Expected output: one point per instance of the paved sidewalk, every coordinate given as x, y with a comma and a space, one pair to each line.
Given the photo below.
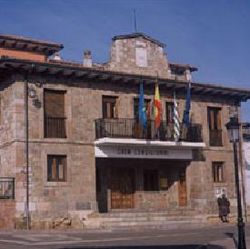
220, 236
229, 243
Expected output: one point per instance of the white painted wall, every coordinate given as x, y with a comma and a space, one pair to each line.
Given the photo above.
246, 154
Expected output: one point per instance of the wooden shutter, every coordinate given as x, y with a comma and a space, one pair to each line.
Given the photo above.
211, 118
53, 169
54, 103
182, 188
218, 119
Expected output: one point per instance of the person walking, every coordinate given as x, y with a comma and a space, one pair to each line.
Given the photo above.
224, 208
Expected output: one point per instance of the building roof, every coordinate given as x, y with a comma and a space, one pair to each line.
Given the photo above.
138, 34
177, 66
28, 44
57, 69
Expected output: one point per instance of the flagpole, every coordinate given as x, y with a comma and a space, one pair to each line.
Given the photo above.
157, 77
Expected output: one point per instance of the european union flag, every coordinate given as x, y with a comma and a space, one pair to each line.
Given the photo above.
142, 109
186, 120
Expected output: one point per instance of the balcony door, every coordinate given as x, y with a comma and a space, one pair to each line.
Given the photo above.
109, 107
214, 124
54, 114
122, 188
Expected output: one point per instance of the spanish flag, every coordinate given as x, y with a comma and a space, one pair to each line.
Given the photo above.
157, 107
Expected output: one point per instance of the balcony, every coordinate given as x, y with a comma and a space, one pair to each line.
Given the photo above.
54, 127
130, 128
7, 188
246, 131
215, 137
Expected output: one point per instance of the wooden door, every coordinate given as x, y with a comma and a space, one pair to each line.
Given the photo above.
122, 188
182, 189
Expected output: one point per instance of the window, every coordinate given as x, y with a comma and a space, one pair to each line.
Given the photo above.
54, 114
147, 104
7, 188
141, 54
214, 124
57, 168
218, 171
109, 108
151, 180
169, 112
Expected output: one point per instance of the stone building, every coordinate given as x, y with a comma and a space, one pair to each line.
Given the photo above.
72, 128
246, 162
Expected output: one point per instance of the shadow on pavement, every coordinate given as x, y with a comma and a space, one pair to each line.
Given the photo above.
149, 247
232, 236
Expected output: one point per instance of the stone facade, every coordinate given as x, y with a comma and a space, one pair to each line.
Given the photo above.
70, 203
138, 55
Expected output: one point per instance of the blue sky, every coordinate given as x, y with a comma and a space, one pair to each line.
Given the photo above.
213, 35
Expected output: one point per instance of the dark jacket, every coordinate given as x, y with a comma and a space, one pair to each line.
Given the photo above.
224, 206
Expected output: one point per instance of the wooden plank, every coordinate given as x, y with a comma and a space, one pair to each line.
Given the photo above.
122, 188
182, 187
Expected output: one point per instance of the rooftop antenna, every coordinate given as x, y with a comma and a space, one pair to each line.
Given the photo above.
135, 24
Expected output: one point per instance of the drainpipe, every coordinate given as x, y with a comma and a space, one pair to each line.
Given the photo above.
26, 120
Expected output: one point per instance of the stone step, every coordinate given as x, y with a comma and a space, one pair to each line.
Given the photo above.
147, 218
146, 214
137, 220
152, 225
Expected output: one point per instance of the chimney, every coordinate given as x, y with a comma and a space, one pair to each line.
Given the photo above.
87, 58
56, 56
188, 75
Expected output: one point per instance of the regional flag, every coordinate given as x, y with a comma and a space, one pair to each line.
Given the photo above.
157, 107
186, 119
176, 120
142, 109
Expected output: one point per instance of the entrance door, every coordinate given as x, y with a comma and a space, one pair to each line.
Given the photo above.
122, 188
182, 189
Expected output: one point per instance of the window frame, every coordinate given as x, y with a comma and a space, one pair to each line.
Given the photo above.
51, 131
214, 120
112, 100
214, 123
218, 172
50, 158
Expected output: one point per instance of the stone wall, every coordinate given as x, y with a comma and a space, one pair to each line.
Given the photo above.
139, 56
7, 214
69, 202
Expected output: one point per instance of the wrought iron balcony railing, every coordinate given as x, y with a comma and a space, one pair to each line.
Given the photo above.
215, 137
130, 128
54, 127
7, 188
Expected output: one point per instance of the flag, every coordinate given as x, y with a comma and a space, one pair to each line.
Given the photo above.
176, 120
157, 107
186, 120
142, 110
